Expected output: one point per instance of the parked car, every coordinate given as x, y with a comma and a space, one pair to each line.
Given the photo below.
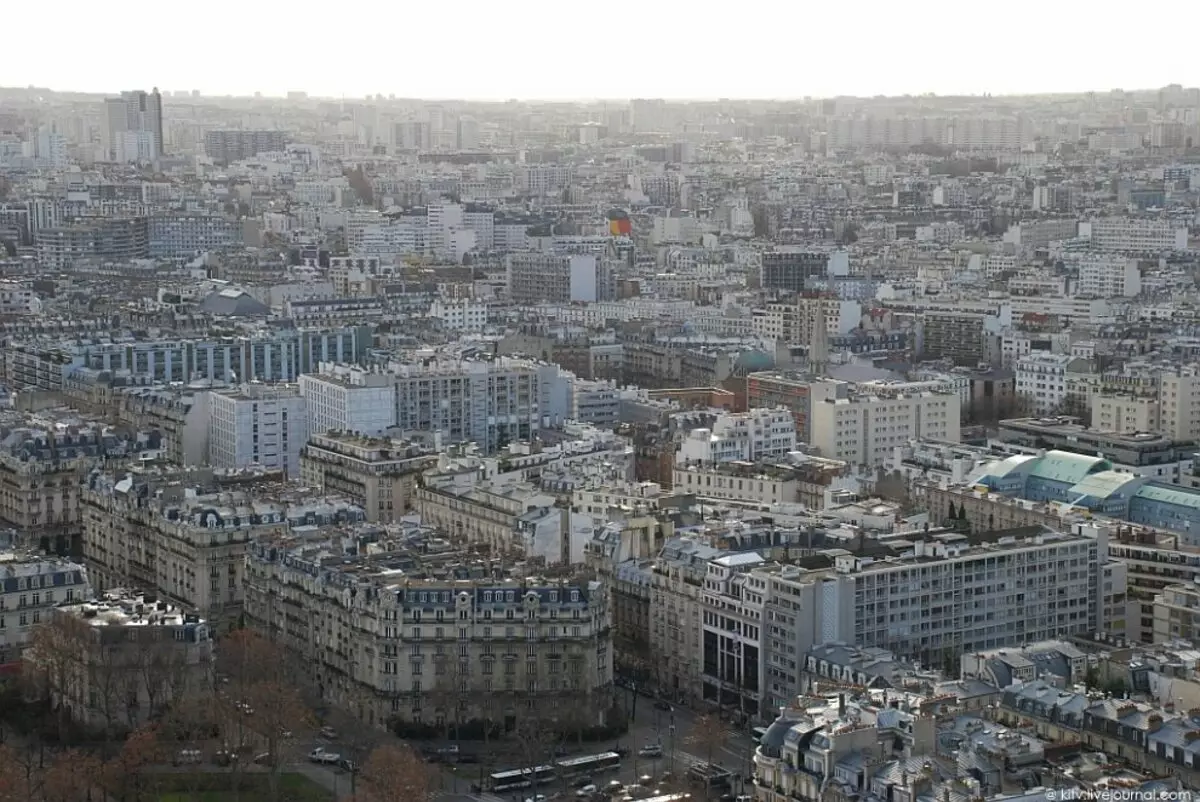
186, 757
348, 766
651, 750
587, 790
329, 733
319, 755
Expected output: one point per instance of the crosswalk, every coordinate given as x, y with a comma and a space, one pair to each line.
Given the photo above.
451, 796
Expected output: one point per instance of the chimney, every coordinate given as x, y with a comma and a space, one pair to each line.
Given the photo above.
841, 705
1154, 722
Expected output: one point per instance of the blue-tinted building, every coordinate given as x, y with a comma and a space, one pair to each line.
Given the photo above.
1090, 483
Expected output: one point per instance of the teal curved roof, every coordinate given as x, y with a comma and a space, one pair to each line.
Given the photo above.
1063, 466
998, 470
1183, 497
1103, 484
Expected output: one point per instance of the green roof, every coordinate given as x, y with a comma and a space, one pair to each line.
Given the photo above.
1170, 495
1063, 466
1004, 467
1102, 484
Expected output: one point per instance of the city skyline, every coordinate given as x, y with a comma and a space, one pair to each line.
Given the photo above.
542, 52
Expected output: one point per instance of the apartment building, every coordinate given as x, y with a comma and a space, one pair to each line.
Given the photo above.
1041, 381
460, 314
515, 519
957, 336
489, 402
434, 650
1177, 613
1109, 277
93, 239
557, 278
1166, 402
257, 424
185, 236
943, 594
752, 482
378, 474
113, 638
677, 579
344, 398
740, 436
269, 355
225, 146
770, 389
731, 619
31, 586
186, 542
863, 428
1134, 235
41, 470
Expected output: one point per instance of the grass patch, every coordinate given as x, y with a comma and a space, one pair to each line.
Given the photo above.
217, 787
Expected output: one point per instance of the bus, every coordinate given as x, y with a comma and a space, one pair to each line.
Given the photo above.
516, 779
588, 764
568, 768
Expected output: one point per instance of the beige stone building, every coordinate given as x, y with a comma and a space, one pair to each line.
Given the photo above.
379, 474
41, 470
185, 542
389, 647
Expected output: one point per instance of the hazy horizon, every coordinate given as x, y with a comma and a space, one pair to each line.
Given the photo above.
540, 50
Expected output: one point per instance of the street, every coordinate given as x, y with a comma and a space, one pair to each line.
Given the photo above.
672, 730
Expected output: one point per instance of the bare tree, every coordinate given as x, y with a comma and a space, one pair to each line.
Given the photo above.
262, 698
125, 774
72, 777
708, 735
395, 773
54, 664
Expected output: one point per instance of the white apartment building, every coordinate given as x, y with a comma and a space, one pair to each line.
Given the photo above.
595, 402
18, 300
864, 428
257, 424
1134, 235
1041, 381
435, 650
1101, 277
460, 314
490, 402
31, 586
740, 436
341, 398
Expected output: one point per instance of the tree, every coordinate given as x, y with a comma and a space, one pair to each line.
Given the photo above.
125, 775
261, 697
394, 773
72, 777
952, 512
54, 664
708, 735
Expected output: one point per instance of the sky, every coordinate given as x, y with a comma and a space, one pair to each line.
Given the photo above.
548, 49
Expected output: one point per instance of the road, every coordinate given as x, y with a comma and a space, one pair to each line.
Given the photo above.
672, 730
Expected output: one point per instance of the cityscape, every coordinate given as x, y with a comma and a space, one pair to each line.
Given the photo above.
381, 449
